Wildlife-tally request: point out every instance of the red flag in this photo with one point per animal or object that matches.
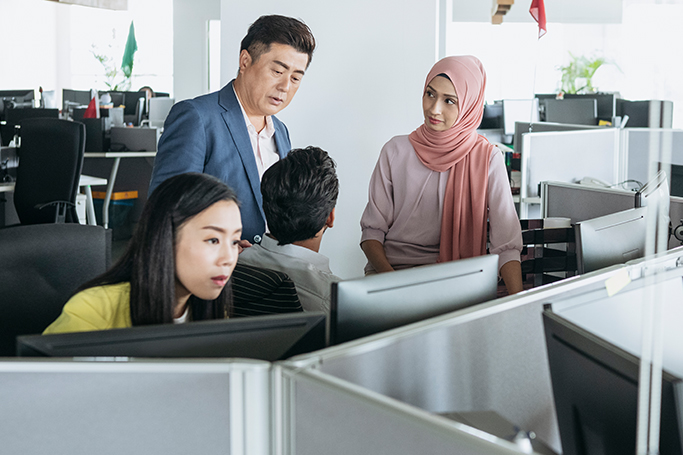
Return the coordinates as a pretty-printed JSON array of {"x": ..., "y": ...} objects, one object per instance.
[
  {"x": 537, "y": 11},
  {"x": 91, "y": 111}
]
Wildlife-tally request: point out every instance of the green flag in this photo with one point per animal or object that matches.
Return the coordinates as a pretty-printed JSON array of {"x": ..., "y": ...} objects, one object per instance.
[{"x": 129, "y": 52}]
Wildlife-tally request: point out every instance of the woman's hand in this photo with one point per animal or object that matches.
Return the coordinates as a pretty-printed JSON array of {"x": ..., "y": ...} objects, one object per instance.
[
  {"x": 512, "y": 276},
  {"x": 374, "y": 251}
]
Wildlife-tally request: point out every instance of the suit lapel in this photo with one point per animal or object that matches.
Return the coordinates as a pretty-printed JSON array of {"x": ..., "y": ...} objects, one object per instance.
[{"x": 234, "y": 121}]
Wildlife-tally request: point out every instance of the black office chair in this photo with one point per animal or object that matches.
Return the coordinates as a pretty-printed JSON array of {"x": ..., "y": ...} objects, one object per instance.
[
  {"x": 257, "y": 292},
  {"x": 50, "y": 163},
  {"x": 40, "y": 267}
]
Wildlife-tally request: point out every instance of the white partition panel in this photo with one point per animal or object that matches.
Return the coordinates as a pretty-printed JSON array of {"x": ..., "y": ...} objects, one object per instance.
[
  {"x": 491, "y": 357},
  {"x": 569, "y": 156},
  {"x": 636, "y": 144},
  {"x": 135, "y": 407},
  {"x": 326, "y": 415}
]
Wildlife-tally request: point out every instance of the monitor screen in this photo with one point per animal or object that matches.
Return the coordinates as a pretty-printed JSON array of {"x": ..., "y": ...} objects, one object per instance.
[
  {"x": 595, "y": 386},
  {"x": 611, "y": 239},
  {"x": 380, "y": 302},
  {"x": 15, "y": 99},
  {"x": 271, "y": 337}
]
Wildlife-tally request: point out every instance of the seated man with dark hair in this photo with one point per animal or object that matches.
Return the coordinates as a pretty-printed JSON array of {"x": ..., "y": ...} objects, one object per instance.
[{"x": 299, "y": 195}]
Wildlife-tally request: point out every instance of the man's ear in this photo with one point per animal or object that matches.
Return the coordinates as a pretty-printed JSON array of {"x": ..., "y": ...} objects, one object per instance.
[
  {"x": 245, "y": 59},
  {"x": 330, "y": 219}
]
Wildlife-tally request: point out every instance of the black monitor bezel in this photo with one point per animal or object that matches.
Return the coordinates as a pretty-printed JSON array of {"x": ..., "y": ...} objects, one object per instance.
[{"x": 58, "y": 345}]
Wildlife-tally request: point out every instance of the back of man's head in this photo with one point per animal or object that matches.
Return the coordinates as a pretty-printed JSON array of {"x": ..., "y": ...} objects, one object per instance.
[
  {"x": 299, "y": 193},
  {"x": 278, "y": 29}
]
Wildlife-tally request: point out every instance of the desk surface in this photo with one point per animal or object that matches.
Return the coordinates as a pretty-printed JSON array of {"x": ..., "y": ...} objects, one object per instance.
[
  {"x": 85, "y": 180},
  {"x": 119, "y": 154}
]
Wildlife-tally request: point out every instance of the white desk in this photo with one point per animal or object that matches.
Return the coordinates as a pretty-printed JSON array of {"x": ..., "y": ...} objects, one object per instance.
[
  {"x": 85, "y": 182},
  {"x": 112, "y": 175}
]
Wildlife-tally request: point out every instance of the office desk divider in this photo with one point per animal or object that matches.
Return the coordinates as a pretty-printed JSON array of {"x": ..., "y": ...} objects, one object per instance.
[
  {"x": 490, "y": 357},
  {"x": 635, "y": 150},
  {"x": 145, "y": 406},
  {"x": 567, "y": 156},
  {"x": 326, "y": 415}
]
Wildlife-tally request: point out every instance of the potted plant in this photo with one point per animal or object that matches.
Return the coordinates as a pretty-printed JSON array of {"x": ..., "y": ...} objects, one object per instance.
[{"x": 577, "y": 76}]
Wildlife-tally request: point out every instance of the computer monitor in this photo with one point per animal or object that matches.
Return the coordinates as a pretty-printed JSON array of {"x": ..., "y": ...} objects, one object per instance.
[
  {"x": 595, "y": 386},
  {"x": 271, "y": 337},
  {"x": 74, "y": 98},
  {"x": 380, "y": 302},
  {"x": 15, "y": 99},
  {"x": 610, "y": 239},
  {"x": 127, "y": 99},
  {"x": 493, "y": 116},
  {"x": 577, "y": 111}
]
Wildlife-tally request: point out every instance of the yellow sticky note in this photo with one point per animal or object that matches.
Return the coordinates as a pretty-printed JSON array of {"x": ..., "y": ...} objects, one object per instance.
[{"x": 617, "y": 282}]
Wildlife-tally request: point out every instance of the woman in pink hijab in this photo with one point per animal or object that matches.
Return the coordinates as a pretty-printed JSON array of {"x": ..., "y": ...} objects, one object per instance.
[{"x": 433, "y": 191}]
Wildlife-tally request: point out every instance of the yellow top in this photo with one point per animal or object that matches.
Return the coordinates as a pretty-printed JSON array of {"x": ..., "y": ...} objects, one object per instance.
[{"x": 98, "y": 308}]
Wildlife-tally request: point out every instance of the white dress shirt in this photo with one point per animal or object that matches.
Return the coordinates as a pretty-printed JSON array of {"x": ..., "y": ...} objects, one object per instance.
[{"x": 262, "y": 143}]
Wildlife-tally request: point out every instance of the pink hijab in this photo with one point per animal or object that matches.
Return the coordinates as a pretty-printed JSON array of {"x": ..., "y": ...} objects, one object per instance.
[{"x": 466, "y": 154}]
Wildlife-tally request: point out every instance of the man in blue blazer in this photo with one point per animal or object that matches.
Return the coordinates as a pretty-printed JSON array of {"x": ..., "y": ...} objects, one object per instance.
[{"x": 233, "y": 134}]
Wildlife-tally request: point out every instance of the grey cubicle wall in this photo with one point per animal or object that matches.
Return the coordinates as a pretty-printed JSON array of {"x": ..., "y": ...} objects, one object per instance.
[
  {"x": 59, "y": 406},
  {"x": 490, "y": 357},
  {"x": 325, "y": 415},
  {"x": 581, "y": 202}
]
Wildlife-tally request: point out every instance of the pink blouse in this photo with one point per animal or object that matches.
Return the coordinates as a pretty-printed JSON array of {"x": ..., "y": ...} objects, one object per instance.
[{"x": 406, "y": 202}]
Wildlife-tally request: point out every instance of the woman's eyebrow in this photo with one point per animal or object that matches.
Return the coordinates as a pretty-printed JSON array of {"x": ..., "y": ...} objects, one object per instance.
[{"x": 444, "y": 94}]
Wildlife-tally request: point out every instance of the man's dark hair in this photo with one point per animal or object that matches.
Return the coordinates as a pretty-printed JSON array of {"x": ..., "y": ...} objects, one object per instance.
[
  {"x": 299, "y": 193},
  {"x": 278, "y": 29}
]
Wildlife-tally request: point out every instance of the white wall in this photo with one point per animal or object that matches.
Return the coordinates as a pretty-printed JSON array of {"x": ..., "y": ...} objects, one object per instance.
[
  {"x": 190, "y": 51},
  {"x": 364, "y": 86}
]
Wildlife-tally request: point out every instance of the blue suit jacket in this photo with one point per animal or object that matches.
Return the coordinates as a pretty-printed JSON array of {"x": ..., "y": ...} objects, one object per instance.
[{"x": 208, "y": 134}]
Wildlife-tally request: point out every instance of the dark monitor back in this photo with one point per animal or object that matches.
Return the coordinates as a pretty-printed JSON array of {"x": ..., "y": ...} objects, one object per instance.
[
  {"x": 272, "y": 337},
  {"x": 493, "y": 116},
  {"x": 381, "y": 302},
  {"x": 611, "y": 239},
  {"x": 127, "y": 99},
  {"x": 595, "y": 385},
  {"x": 72, "y": 98},
  {"x": 676, "y": 180},
  {"x": 578, "y": 111}
]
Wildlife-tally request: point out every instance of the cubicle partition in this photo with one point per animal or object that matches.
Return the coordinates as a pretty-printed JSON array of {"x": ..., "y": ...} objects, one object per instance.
[
  {"x": 326, "y": 415},
  {"x": 582, "y": 202},
  {"x": 491, "y": 357},
  {"x": 135, "y": 407},
  {"x": 567, "y": 156},
  {"x": 636, "y": 144}
]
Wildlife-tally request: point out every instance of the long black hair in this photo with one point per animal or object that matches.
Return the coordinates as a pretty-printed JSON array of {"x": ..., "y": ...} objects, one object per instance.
[{"x": 149, "y": 262}]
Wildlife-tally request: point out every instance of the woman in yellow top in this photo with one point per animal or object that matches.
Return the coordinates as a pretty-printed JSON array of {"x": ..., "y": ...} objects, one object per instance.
[{"x": 176, "y": 268}]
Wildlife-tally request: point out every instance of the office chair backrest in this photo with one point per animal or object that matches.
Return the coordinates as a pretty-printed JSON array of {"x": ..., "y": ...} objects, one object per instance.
[
  {"x": 40, "y": 267},
  {"x": 50, "y": 163}
]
